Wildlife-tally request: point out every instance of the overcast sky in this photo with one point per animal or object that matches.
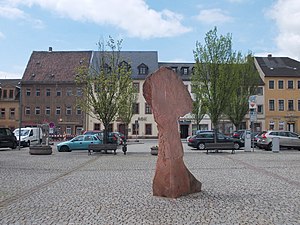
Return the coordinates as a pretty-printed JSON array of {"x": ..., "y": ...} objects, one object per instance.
[{"x": 170, "y": 27}]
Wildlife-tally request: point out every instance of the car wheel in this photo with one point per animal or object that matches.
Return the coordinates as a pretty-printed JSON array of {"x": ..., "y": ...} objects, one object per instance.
[
  {"x": 14, "y": 145},
  {"x": 236, "y": 146},
  {"x": 201, "y": 146},
  {"x": 65, "y": 149},
  {"x": 269, "y": 147}
]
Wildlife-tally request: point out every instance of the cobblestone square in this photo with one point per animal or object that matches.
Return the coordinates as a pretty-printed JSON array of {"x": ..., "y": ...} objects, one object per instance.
[{"x": 257, "y": 187}]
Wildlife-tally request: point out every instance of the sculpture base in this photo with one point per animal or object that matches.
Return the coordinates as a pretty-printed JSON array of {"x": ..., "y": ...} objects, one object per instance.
[{"x": 172, "y": 179}]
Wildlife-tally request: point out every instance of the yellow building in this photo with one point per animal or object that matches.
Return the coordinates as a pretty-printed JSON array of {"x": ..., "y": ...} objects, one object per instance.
[
  {"x": 281, "y": 76},
  {"x": 9, "y": 103}
]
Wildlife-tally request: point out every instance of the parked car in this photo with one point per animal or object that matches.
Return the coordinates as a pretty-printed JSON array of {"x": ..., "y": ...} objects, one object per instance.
[
  {"x": 205, "y": 140},
  {"x": 80, "y": 142},
  {"x": 7, "y": 138},
  {"x": 122, "y": 136},
  {"x": 195, "y": 132},
  {"x": 287, "y": 139},
  {"x": 238, "y": 133},
  {"x": 113, "y": 137},
  {"x": 29, "y": 135}
]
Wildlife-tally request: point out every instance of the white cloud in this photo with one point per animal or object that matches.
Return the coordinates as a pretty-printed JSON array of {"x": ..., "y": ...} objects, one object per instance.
[
  {"x": 133, "y": 16},
  {"x": 213, "y": 16},
  {"x": 286, "y": 14},
  {"x": 11, "y": 12},
  {"x": 9, "y": 75}
]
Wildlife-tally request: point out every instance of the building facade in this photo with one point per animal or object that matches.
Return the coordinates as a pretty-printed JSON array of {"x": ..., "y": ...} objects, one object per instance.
[
  {"x": 9, "y": 103},
  {"x": 49, "y": 94},
  {"x": 281, "y": 76},
  {"x": 49, "y": 91}
]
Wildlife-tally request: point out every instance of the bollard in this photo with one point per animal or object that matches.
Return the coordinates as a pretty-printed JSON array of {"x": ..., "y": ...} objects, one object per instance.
[
  {"x": 247, "y": 139},
  {"x": 124, "y": 148},
  {"x": 275, "y": 144}
]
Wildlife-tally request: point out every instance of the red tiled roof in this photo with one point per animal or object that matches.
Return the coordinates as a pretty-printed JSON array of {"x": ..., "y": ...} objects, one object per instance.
[{"x": 55, "y": 66}]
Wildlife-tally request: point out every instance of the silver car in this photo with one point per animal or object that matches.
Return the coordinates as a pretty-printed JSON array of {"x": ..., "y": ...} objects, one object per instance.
[{"x": 287, "y": 139}]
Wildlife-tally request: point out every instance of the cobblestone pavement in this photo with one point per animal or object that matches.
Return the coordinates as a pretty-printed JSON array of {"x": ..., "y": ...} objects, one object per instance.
[{"x": 73, "y": 188}]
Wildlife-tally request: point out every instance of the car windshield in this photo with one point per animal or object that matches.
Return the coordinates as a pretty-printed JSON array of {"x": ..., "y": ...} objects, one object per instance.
[{"x": 21, "y": 133}]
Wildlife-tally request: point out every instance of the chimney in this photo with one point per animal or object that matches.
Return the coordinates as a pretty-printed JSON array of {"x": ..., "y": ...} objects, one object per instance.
[
  {"x": 269, "y": 55},
  {"x": 50, "y": 49}
]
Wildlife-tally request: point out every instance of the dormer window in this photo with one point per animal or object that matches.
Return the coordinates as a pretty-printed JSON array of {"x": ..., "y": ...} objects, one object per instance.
[
  {"x": 184, "y": 70},
  {"x": 106, "y": 68},
  {"x": 174, "y": 68},
  {"x": 143, "y": 69},
  {"x": 124, "y": 65}
]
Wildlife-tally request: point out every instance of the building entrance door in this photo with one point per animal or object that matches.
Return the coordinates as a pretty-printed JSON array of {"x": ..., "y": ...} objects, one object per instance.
[{"x": 184, "y": 131}]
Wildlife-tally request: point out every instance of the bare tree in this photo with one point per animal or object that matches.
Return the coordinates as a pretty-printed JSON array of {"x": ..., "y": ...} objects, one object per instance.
[{"x": 104, "y": 83}]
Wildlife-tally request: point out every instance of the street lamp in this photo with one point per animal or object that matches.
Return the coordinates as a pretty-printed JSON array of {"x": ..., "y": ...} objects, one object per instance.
[{"x": 20, "y": 112}]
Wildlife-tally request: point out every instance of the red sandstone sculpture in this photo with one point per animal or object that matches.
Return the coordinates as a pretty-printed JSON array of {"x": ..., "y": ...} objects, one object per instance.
[{"x": 169, "y": 99}]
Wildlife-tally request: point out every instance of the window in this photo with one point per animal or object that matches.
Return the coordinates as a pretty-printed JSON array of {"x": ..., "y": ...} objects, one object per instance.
[
  {"x": 78, "y": 111},
  {"x": 27, "y": 110},
  {"x": 58, "y": 92},
  {"x": 290, "y": 84},
  {"x": 174, "y": 68},
  {"x": 79, "y": 92},
  {"x": 11, "y": 94},
  {"x": 106, "y": 68},
  {"x": 47, "y": 110},
  {"x": 136, "y": 108},
  {"x": 135, "y": 129},
  {"x": 298, "y": 105},
  {"x": 68, "y": 110},
  {"x": 260, "y": 109},
  {"x": 281, "y": 105},
  {"x": 136, "y": 87},
  {"x": 259, "y": 91},
  {"x": 38, "y": 92},
  {"x": 271, "y": 105},
  {"x": 2, "y": 113},
  {"x": 298, "y": 84},
  {"x": 4, "y": 93},
  {"x": 57, "y": 112},
  {"x": 143, "y": 69},
  {"x": 281, "y": 127},
  {"x": 184, "y": 70},
  {"x": 148, "y": 129},
  {"x": 28, "y": 91},
  {"x": 12, "y": 113},
  {"x": 280, "y": 84},
  {"x": 97, "y": 126},
  {"x": 48, "y": 92},
  {"x": 271, "y": 84},
  {"x": 68, "y": 130},
  {"x": 291, "y": 105},
  {"x": 124, "y": 65},
  {"x": 37, "y": 110},
  {"x": 69, "y": 91},
  {"x": 148, "y": 109}
]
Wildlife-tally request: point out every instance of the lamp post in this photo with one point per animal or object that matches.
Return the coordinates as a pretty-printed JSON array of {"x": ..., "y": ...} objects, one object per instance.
[{"x": 20, "y": 113}]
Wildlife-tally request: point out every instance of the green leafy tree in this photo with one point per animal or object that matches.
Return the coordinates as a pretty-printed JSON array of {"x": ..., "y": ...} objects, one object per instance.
[
  {"x": 212, "y": 73},
  {"x": 104, "y": 83},
  {"x": 199, "y": 106},
  {"x": 246, "y": 82},
  {"x": 127, "y": 101}
]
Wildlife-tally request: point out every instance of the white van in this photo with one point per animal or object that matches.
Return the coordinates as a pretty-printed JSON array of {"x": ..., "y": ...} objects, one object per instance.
[{"x": 29, "y": 136}]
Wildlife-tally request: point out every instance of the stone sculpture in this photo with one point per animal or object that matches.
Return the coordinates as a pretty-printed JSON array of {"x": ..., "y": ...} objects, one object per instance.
[{"x": 169, "y": 99}]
